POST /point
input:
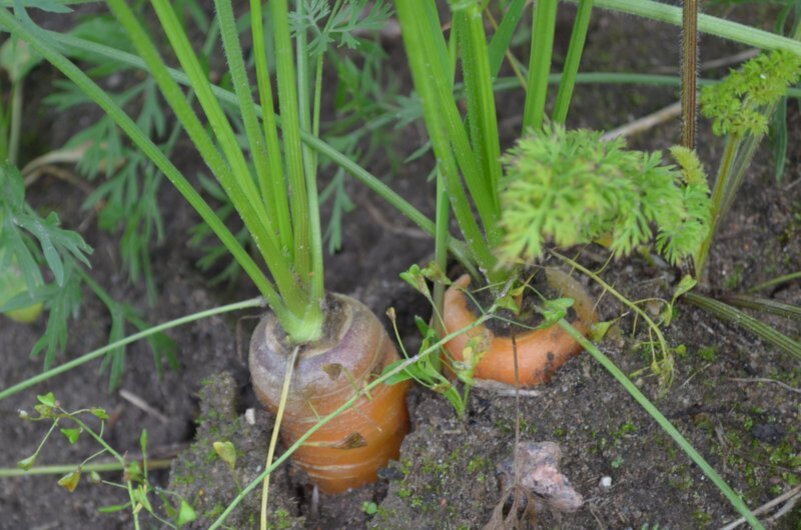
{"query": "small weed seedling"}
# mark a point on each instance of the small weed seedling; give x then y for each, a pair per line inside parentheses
(140, 492)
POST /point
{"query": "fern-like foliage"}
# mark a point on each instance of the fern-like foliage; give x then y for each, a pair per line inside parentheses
(570, 187)
(736, 104)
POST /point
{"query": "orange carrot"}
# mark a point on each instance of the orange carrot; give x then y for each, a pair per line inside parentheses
(348, 451)
(539, 352)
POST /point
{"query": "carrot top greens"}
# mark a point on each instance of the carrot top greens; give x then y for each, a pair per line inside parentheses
(571, 187)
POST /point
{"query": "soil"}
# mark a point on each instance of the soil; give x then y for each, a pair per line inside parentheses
(630, 473)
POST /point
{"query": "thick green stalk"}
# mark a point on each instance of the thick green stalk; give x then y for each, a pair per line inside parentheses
(481, 115)
(735, 316)
(573, 60)
(689, 72)
(309, 120)
(721, 183)
(152, 152)
(423, 72)
(293, 303)
(242, 89)
(225, 134)
(539, 65)
(15, 124)
(478, 184)
(767, 305)
(275, 188)
(314, 293)
(458, 248)
(502, 38)
(293, 150)
(440, 253)
(706, 24)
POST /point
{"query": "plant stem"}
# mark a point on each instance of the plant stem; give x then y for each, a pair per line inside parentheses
(427, 54)
(44, 376)
(441, 239)
(35, 39)
(729, 314)
(277, 180)
(502, 38)
(544, 25)
(290, 116)
(279, 416)
(481, 114)
(625, 301)
(66, 468)
(574, 51)
(768, 305)
(689, 72)
(15, 125)
(664, 423)
(458, 248)
(706, 24)
(701, 258)
(239, 77)
(775, 281)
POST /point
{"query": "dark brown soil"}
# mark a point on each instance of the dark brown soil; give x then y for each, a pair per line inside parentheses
(748, 429)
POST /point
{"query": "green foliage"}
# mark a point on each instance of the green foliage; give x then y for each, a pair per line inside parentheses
(128, 195)
(341, 25)
(134, 473)
(28, 241)
(736, 105)
(20, 221)
(570, 187)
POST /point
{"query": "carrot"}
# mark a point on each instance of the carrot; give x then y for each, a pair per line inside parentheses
(348, 451)
(539, 352)
(12, 283)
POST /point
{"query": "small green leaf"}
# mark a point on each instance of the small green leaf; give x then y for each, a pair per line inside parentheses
(508, 301)
(401, 376)
(72, 434)
(45, 411)
(414, 276)
(186, 514)
(70, 481)
(48, 399)
(113, 508)
(100, 413)
(27, 463)
(435, 273)
(140, 497)
(133, 472)
(370, 508)
(554, 310)
(94, 477)
(227, 453)
(685, 286)
(599, 330)
(17, 58)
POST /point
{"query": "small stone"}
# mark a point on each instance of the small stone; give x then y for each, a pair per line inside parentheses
(606, 482)
(538, 467)
(250, 416)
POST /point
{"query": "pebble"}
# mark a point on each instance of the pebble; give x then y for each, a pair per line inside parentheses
(606, 482)
(250, 416)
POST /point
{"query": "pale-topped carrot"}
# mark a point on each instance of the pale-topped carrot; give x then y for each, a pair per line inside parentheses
(355, 348)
